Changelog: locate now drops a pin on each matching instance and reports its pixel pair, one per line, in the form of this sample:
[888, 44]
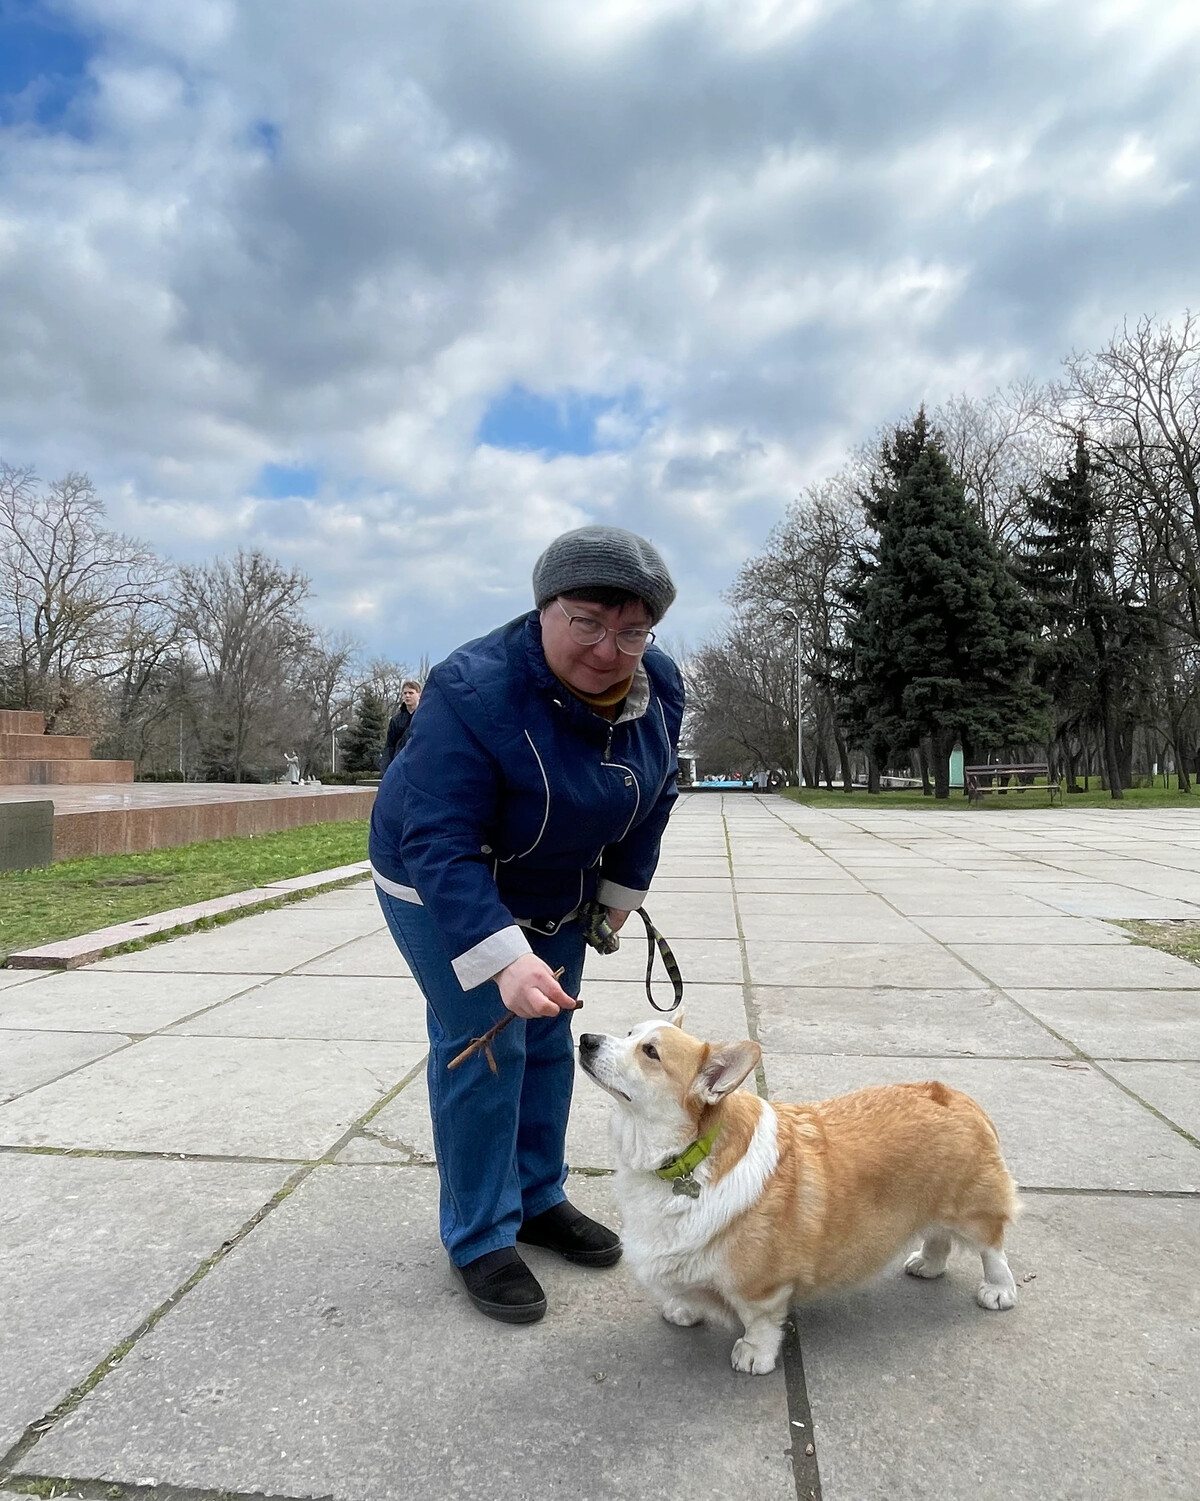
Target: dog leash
[599, 933]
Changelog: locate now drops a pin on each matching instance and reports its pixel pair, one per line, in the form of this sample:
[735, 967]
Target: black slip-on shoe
[502, 1286]
[576, 1238]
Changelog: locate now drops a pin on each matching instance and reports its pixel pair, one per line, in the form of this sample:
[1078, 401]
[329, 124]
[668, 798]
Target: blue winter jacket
[513, 800]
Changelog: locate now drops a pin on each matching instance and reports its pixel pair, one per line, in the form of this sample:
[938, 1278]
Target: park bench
[984, 779]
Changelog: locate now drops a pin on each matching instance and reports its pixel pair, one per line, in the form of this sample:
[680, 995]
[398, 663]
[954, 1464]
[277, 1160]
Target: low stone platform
[120, 818]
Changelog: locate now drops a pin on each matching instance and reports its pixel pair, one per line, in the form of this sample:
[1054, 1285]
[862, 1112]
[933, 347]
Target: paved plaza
[219, 1269]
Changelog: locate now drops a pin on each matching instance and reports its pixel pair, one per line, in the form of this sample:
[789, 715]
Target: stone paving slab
[250, 946]
[1090, 1387]
[717, 1012]
[29, 1059]
[1173, 1088]
[1121, 1023]
[13, 977]
[235, 1097]
[334, 1352]
[696, 915]
[1115, 902]
[882, 1019]
[1059, 931]
[374, 955]
[1061, 1125]
[924, 966]
[89, 1249]
[99, 1000]
[334, 1007]
[715, 961]
[881, 926]
[1100, 967]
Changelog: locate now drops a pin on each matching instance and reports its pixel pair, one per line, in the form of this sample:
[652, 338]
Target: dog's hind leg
[998, 1290]
[758, 1349]
[930, 1261]
[985, 1233]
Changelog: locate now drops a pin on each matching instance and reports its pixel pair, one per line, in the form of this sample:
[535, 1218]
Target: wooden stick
[484, 1044]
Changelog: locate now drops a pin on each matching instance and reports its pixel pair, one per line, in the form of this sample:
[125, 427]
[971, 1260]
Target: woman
[538, 776]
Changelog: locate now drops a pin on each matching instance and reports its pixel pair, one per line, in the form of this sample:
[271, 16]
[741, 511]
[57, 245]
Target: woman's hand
[616, 918]
[528, 988]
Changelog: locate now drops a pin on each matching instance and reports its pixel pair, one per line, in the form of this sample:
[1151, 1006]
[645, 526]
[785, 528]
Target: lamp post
[333, 734]
[793, 615]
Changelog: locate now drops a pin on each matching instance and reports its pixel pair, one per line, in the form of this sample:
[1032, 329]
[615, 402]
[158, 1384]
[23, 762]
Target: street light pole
[333, 734]
[794, 615]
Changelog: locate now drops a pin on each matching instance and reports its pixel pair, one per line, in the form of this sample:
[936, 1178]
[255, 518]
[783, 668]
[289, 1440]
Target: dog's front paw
[749, 1358]
[677, 1311]
[996, 1296]
[920, 1265]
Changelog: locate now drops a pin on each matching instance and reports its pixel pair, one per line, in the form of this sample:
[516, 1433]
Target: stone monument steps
[22, 722]
[30, 757]
[62, 773]
[44, 747]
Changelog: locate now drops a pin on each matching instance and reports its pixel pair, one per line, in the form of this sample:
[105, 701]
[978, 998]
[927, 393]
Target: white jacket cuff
[625, 898]
[489, 957]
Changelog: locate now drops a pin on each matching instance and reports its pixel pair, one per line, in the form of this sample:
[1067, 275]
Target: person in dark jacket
[400, 723]
[538, 776]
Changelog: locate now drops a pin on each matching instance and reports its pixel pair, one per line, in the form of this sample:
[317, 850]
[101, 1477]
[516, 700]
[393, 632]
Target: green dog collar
[682, 1167]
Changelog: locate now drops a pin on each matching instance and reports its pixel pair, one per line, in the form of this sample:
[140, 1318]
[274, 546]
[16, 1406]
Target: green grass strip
[78, 896]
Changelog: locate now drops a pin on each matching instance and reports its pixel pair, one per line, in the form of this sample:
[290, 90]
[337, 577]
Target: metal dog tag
[687, 1186]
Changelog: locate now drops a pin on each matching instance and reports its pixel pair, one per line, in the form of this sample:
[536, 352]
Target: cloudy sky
[399, 289]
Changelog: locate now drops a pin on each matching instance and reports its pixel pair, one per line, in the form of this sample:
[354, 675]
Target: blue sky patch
[43, 63]
[282, 481]
[264, 134]
[565, 423]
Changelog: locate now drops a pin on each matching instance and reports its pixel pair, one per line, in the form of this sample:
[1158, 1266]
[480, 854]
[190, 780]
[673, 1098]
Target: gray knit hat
[596, 556]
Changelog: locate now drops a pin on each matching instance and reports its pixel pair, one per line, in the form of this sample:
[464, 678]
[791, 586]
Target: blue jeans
[499, 1141]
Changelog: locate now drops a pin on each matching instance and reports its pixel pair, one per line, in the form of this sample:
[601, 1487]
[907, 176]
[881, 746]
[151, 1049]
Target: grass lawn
[1180, 936]
[1135, 797]
[77, 896]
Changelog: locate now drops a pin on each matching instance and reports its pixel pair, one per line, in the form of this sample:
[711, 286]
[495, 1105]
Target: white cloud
[330, 237]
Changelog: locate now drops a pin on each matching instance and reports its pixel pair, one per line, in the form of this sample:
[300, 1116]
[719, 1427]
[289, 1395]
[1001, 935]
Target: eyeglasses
[632, 640]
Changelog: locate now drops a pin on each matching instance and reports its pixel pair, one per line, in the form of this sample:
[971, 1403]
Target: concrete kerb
[121, 938]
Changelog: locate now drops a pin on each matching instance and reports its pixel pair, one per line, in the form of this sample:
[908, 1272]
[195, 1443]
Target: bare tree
[806, 567]
[242, 619]
[999, 446]
[327, 682]
[67, 588]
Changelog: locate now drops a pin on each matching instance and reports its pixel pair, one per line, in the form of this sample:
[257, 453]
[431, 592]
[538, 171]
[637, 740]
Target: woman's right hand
[528, 988]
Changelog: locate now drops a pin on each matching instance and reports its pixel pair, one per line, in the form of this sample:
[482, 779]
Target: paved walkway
[218, 1265]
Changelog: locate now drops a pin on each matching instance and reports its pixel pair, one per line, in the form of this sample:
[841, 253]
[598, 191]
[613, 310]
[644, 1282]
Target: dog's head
[663, 1082]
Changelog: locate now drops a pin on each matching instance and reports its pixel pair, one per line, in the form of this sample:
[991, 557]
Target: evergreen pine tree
[940, 643]
[363, 744]
[1088, 645]
[864, 726]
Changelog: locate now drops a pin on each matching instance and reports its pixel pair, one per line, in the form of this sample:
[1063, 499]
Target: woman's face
[591, 669]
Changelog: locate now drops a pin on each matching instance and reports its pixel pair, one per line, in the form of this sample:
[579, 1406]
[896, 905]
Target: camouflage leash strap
[598, 932]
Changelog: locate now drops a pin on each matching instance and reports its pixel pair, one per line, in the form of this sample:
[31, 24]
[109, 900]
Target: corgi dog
[731, 1204]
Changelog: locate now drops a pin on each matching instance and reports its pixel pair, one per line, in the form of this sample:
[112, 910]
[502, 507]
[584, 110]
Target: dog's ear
[724, 1068]
[677, 1019]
